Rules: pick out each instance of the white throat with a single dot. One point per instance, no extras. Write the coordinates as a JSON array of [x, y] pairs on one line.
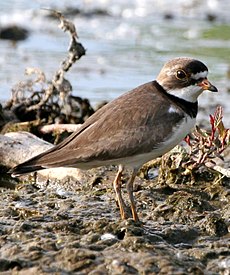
[[189, 93]]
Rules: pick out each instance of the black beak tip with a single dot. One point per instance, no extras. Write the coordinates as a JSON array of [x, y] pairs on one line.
[[213, 89]]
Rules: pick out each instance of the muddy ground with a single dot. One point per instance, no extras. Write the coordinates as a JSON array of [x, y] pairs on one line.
[[184, 228]]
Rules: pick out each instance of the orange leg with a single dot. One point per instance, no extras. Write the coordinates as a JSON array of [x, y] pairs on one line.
[[129, 187], [117, 188]]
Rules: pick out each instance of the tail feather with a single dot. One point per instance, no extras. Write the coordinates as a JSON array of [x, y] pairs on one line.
[[21, 170], [31, 165], [26, 167], [54, 157]]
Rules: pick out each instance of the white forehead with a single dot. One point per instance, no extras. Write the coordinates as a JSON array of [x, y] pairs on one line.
[[199, 75]]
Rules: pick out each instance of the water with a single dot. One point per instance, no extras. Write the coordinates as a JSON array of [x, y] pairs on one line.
[[124, 49]]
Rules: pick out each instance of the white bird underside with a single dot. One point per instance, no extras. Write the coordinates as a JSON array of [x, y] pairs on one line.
[[179, 132]]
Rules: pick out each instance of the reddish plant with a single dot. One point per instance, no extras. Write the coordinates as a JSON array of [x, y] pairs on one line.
[[207, 145]]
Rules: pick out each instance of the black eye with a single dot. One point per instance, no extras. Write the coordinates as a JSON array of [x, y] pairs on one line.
[[180, 74]]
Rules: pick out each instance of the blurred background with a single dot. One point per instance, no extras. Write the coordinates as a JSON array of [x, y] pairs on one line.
[[127, 43]]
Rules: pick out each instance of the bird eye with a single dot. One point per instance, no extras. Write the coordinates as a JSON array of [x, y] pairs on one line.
[[180, 74]]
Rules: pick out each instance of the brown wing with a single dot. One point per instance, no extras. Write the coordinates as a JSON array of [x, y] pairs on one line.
[[129, 125]]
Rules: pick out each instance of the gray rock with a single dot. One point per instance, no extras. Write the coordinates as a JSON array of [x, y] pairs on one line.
[[17, 147]]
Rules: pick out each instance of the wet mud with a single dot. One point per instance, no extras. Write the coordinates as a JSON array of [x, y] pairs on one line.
[[183, 229]]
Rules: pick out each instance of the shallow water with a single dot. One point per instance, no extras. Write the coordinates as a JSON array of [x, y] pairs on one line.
[[125, 48]]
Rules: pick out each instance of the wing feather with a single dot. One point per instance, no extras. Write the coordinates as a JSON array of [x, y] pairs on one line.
[[129, 125]]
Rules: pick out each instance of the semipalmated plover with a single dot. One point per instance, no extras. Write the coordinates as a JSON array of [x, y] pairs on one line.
[[138, 126]]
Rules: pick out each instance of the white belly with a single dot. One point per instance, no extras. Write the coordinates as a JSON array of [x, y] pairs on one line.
[[179, 132]]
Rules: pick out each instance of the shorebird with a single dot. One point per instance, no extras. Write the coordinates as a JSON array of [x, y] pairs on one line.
[[134, 128]]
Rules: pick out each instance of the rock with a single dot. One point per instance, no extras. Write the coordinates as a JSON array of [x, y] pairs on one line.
[[14, 33], [17, 147]]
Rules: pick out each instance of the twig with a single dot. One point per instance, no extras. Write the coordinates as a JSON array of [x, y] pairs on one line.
[[46, 129], [75, 52]]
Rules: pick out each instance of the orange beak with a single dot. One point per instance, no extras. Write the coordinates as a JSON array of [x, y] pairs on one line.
[[206, 85]]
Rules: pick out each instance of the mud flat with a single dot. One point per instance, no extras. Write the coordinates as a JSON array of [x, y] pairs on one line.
[[184, 228]]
